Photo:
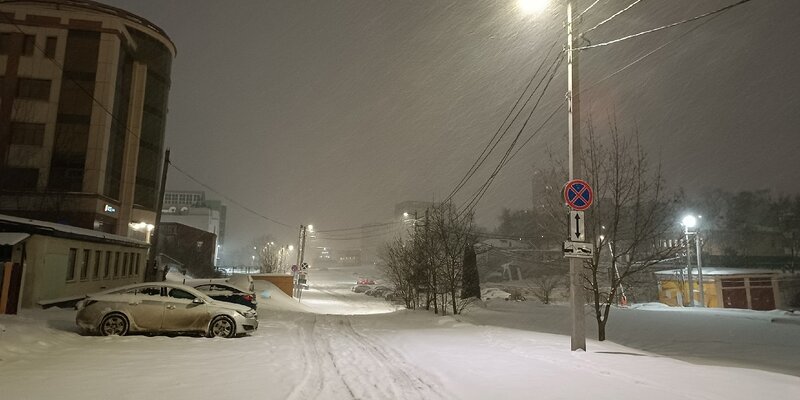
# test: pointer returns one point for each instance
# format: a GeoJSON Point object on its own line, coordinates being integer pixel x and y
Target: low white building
{"type": "Point", "coordinates": [42, 262]}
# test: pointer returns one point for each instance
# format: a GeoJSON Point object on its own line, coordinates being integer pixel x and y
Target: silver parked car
{"type": "Point", "coordinates": [162, 307]}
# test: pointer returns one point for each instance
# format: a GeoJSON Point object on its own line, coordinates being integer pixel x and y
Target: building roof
{"type": "Point", "coordinates": [100, 7]}
{"type": "Point", "coordinates": [720, 271]}
{"type": "Point", "coordinates": [11, 224]}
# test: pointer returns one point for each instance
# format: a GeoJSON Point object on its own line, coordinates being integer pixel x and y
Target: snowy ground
{"type": "Point", "coordinates": [337, 344]}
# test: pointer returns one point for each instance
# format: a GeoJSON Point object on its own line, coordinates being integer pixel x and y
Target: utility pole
{"type": "Point", "coordinates": [578, 338]}
{"type": "Point", "coordinates": [700, 269]}
{"type": "Point", "coordinates": [150, 273]}
{"type": "Point", "coordinates": [301, 242]}
{"type": "Point", "coordinates": [689, 268]}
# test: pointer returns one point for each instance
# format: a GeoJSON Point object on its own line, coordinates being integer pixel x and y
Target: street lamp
{"type": "Point", "coordinates": [532, 6]}
{"type": "Point", "coordinates": [578, 334]}
{"type": "Point", "coordinates": [689, 222]}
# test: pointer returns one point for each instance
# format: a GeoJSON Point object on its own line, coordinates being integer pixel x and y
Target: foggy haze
{"type": "Point", "coordinates": [331, 112]}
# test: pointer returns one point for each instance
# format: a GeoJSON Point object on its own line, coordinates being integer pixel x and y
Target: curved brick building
{"type": "Point", "coordinates": [83, 106]}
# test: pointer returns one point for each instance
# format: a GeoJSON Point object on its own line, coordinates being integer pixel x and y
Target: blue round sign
{"type": "Point", "coordinates": [578, 194]}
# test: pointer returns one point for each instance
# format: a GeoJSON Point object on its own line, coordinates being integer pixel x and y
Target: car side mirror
{"type": "Point", "coordinates": [198, 300]}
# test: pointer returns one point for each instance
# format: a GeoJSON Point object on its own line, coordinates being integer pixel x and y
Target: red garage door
{"type": "Point", "coordinates": [762, 296]}
{"type": "Point", "coordinates": [734, 293]}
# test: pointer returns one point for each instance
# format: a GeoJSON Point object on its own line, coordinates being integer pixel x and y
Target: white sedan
{"type": "Point", "coordinates": [162, 307]}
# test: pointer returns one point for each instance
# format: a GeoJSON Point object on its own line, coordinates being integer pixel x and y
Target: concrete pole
{"type": "Point", "coordinates": [576, 299]}
{"type": "Point", "coordinates": [151, 272]}
{"type": "Point", "coordinates": [700, 270]}
{"type": "Point", "coordinates": [689, 269]}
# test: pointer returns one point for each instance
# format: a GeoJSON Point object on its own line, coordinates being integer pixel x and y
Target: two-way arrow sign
{"type": "Point", "coordinates": [577, 232]}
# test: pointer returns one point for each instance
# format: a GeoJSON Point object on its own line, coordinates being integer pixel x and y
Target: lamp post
{"type": "Point", "coordinates": [578, 337]}
{"type": "Point", "coordinates": [690, 221]}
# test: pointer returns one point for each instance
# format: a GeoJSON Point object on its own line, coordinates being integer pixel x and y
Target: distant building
{"type": "Point", "coordinates": [746, 288]}
{"type": "Point", "coordinates": [192, 209]}
{"type": "Point", "coordinates": [193, 248]}
{"type": "Point", "coordinates": [83, 106]}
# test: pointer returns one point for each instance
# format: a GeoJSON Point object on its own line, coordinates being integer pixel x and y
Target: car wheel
{"type": "Point", "coordinates": [114, 325]}
{"type": "Point", "coordinates": [222, 326]}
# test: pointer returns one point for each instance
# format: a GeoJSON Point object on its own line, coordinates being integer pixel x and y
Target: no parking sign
{"type": "Point", "coordinates": [578, 194]}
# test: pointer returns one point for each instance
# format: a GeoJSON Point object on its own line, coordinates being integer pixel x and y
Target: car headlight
{"type": "Point", "coordinates": [247, 314]}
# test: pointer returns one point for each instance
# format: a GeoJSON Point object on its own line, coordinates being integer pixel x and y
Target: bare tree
{"type": "Point", "coordinates": [545, 286]}
{"type": "Point", "coordinates": [427, 268]}
{"type": "Point", "coordinates": [399, 263]}
{"type": "Point", "coordinates": [631, 219]}
{"type": "Point", "coordinates": [450, 232]}
{"type": "Point", "coordinates": [267, 254]}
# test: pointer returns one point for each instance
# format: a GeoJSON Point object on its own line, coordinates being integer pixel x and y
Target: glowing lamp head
{"type": "Point", "coordinates": [689, 221]}
{"type": "Point", "coordinates": [532, 6]}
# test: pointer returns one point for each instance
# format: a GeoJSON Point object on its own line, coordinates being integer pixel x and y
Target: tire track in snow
{"type": "Point", "coordinates": [342, 363]}
{"type": "Point", "coordinates": [403, 375]}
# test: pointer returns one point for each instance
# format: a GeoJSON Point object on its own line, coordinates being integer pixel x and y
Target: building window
{"type": "Point", "coordinates": [106, 268]}
{"type": "Point", "coordinates": [5, 42]}
{"type": "Point", "coordinates": [50, 47]}
{"type": "Point", "coordinates": [85, 264]}
{"type": "Point", "coordinates": [27, 133]}
{"type": "Point", "coordinates": [125, 257]}
{"type": "Point", "coordinates": [37, 89]}
{"type": "Point", "coordinates": [28, 44]}
{"type": "Point", "coordinates": [116, 266]}
{"type": "Point", "coordinates": [19, 178]}
{"type": "Point", "coordinates": [96, 269]}
{"type": "Point", "coordinates": [136, 265]}
{"type": "Point", "coordinates": [73, 253]}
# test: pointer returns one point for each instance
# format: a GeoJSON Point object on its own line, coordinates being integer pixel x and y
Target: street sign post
{"type": "Point", "coordinates": [577, 230]}
{"type": "Point", "coordinates": [578, 250]}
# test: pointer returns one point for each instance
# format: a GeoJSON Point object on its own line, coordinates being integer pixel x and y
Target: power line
{"type": "Point", "coordinates": [611, 17]}
{"type": "Point", "coordinates": [587, 9]}
{"type": "Point", "coordinates": [353, 228]}
{"type": "Point", "coordinates": [728, 7]}
{"type": "Point", "coordinates": [470, 205]}
{"type": "Point", "coordinates": [648, 54]}
{"type": "Point", "coordinates": [492, 142]}
{"type": "Point", "coordinates": [244, 207]}
{"type": "Point", "coordinates": [479, 193]}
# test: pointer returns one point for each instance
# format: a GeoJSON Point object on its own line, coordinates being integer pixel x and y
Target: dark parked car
{"type": "Point", "coordinates": [228, 293]}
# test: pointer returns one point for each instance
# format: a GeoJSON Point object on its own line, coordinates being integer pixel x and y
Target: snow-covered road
{"type": "Point", "coordinates": [343, 362]}
{"type": "Point", "coordinates": [337, 344]}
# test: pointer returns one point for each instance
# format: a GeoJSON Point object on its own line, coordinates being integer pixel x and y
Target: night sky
{"type": "Point", "coordinates": [330, 112]}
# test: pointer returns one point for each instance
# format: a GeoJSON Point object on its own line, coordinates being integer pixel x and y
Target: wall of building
{"type": "Point", "coordinates": [47, 264]}
{"type": "Point", "coordinates": [194, 248]}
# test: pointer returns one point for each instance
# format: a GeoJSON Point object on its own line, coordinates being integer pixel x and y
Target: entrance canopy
{"type": "Point", "coordinates": [12, 238]}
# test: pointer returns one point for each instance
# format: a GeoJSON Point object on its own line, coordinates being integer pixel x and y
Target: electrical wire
{"type": "Point", "coordinates": [494, 141]}
{"type": "Point", "coordinates": [478, 195]}
{"type": "Point", "coordinates": [486, 184]}
{"type": "Point", "coordinates": [611, 17]}
{"type": "Point", "coordinates": [587, 9]}
{"type": "Point", "coordinates": [591, 86]}
{"type": "Point", "coordinates": [353, 228]}
{"type": "Point", "coordinates": [226, 197]}
{"type": "Point", "coordinates": [708, 14]}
